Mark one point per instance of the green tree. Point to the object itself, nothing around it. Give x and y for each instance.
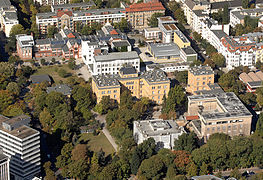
(235, 173)
(245, 4)
(171, 172)
(181, 76)
(50, 175)
(204, 169)
(13, 59)
(187, 142)
(153, 21)
(72, 64)
(126, 99)
(43, 62)
(179, 15)
(197, 36)
(210, 50)
(192, 170)
(259, 126)
(218, 59)
(14, 88)
(46, 120)
(6, 99)
(225, 14)
(17, 29)
(152, 168)
(51, 31)
(123, 25)
(75, 1)
(64, 159)
(63, 73)
(105, 105)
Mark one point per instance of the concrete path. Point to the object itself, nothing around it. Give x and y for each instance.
(83, 71)
(102, 120)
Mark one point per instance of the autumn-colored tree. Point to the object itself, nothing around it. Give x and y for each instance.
(181, 160)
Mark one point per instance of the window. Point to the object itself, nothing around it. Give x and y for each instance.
(203, 83)
(204, 78)
(109, 92)
(153, 87)
(152, 92)
(197, 83)
(165, 87)
(115, 96)
(159, 87)
(159, 97)
(103, 92)
(114, 91)
(159, 92)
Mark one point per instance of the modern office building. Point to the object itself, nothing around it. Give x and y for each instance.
(164, 132)
(24, 46)
(164, 51)
(218, 113)
(199, 77)
(167, 26)
(21, 144)
(138, 14)
(152, 84)
(4, 166)
(252, 80)
(112, 63)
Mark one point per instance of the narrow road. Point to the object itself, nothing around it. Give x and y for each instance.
(102, 120)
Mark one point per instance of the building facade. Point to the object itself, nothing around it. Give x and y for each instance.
(62, 18)
(219, 113)
(238, 16)
(151, 84)
(138, 14)
(199, 77)
(51, 2)
(24, 46)
(22, 145)
(164, 132)
(4, 166)
(112, 63)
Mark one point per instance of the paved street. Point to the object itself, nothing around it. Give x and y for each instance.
(102, 120)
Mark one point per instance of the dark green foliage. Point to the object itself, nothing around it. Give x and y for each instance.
(186, 142)
(51, 31)
(245, 4)
(105, 105)
(259, 126)
(123, 25)
(153, 21)
(181, 76)
(225, 18)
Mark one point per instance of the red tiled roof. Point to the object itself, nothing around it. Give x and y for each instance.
(114, 32)
(61, 13)
(188, 118)
(150, 6)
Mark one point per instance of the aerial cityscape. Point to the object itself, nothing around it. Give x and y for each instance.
(131, 89)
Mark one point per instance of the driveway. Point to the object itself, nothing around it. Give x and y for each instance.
(102, 120)
(83, 71)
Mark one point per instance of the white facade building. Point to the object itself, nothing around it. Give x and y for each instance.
(169, 67)
(112, 62)
(51, 2)
(22, 145)
(4, 166)
(164, 132)
(237, 16)
(152, 33)
(167, 26)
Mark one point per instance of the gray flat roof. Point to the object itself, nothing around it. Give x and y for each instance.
(165, 49)
(121, 43)
(201, 70)
(61, 88)
(189, 51)
(5, 3)
(158, 127)
(117, 56)
(230, 103)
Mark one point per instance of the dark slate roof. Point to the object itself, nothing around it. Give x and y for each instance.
(121, 43)
(128, 70)
(189, 50)
(231, 4)
(40, 78)
(61, 88)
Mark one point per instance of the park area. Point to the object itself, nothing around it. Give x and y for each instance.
(57, 72)
(96, 143)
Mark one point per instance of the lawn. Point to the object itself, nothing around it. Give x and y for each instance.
(52, 71)
(96, 143)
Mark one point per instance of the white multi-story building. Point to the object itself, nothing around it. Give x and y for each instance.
(4, 166)
(198, 16)
(112, 62)
(241, 51)
(22, 145)
(69, 18)
(51, 2)
(167, 26)
(164, 132)
(237, 16)
(8, 16)
(92, 46)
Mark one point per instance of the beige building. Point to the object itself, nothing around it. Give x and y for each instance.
(151, 84)
(199, 79)
(219, 113)
(139, 13)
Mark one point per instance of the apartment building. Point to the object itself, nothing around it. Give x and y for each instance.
(111, 63)
(24, 46)
(190, 5)
(199, 77)
(153, 34)
(242, 51)
(8, 16)
(62, 18)
(219, 113)
(238, 16)
(151, 84)
(65, 44)
(168, 67)
(198, 16)
(21, 144)
(164, 132)
(138, 14)
(167, 26)
(71, 7)
(4, 166)
(51, 2)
